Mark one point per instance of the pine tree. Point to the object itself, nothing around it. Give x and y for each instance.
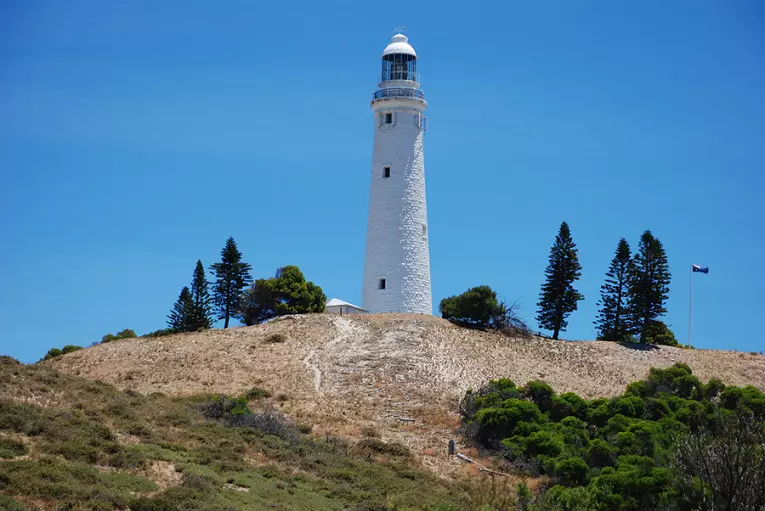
(558, 297)
(231, 277)
(612, 321)
(649, 285)
(200, 295)
(180, 316)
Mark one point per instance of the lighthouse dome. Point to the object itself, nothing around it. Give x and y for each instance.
(399, 44)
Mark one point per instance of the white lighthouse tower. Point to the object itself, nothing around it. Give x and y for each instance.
(397, 266)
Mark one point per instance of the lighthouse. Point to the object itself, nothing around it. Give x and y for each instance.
(397, 264)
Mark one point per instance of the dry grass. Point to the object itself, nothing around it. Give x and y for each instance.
(344, 374)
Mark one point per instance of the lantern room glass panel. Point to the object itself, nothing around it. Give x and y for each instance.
(399, 66)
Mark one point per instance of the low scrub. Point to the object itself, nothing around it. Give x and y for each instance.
(124, 334)
(377, 446)
(55, 352)
(620, 453)
(10, 448)
(90, 447)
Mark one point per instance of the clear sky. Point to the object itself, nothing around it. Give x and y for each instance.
(135, 137)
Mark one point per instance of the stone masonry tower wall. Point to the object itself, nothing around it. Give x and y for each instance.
(397, 266)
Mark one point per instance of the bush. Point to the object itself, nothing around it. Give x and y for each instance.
(477, 307)
(497, 423)
(568, 404)
(627, 440)
(545, 443)
(257, 393)
(540, 393)
(600, 453)
(234, 412)
(11, 448)
(9, 504)
(286, 293)
(379, 447)
(123, 334)
(162, 332)
(572, 470)
(55, 352)
(658, 332)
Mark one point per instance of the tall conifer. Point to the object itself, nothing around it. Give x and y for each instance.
(558, 297)
(180, 316)
(200, 294)
(612, 321)
(231, 277)
(649, 285)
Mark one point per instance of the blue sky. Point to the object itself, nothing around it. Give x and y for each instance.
(136, 137)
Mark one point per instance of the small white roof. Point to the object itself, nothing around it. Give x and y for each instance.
(336, 302)
(399, 43)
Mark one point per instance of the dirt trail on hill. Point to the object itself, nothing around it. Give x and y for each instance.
(399, 374)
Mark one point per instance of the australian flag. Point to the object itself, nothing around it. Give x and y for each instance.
(700, 269)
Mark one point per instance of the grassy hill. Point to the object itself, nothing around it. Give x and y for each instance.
(69, 443)
(401, 375)
(349, 412)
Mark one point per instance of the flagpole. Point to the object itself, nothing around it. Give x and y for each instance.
(690, 307)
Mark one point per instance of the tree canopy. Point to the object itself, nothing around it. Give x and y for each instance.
(612, 321)
(181, 316)
(231, 277)
(201, 315)
(287, 292)
(649, 285)
(477, 307)
(558, 297)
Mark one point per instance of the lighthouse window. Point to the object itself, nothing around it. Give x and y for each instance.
(381, 284)
(386, 171)
(388, 118)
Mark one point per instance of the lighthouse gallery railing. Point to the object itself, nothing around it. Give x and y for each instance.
(399, 92)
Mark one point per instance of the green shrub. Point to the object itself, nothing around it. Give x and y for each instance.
(658, 332)
(378, 446)
(257, 393)
(540, 393)
(11, 448)
(545, 443)
(162, 332)
(477, 307)
(568, 404)
(626, 440)
(53, 353)
(9, 504)
(499, 422)
(123, 334)
(600, 453)
(286, 293)
(572, 470)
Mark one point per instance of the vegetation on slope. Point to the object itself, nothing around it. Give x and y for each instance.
(637, 451)
(90, 446)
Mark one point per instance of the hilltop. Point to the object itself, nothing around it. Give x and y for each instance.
(401, 375)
